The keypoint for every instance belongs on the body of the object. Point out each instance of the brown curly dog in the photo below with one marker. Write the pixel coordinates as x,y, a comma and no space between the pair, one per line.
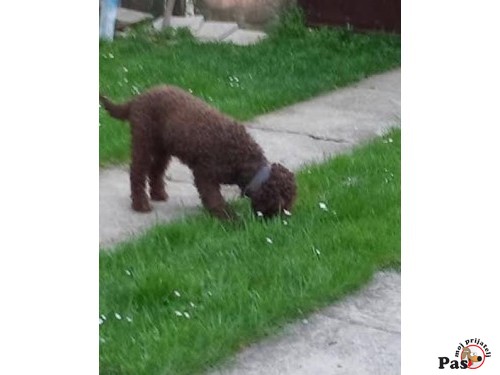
167,121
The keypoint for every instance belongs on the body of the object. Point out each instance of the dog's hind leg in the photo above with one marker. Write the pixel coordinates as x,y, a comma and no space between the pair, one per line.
141,164
157,191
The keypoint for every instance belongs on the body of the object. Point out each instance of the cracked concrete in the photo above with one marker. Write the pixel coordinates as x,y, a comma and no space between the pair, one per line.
316,137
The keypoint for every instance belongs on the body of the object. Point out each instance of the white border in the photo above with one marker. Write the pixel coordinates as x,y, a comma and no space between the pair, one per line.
49,188
450,177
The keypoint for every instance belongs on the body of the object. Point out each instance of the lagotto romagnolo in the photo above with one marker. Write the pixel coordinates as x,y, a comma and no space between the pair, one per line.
167,121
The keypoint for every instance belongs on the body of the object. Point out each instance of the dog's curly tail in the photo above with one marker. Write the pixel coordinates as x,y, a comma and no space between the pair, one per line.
118,111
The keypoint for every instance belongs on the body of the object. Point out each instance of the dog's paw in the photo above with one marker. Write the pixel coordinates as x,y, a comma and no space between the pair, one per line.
141,206
159,195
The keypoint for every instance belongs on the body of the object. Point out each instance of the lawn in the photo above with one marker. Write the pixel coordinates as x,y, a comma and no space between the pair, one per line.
187,295
293,64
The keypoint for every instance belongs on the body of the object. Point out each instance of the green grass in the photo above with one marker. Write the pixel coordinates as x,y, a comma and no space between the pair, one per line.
293,64
243,287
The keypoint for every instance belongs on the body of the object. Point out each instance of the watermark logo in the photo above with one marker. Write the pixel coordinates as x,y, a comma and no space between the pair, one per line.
470,356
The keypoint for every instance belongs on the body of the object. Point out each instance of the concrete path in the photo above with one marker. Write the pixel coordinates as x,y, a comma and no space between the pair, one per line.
358,335
361,335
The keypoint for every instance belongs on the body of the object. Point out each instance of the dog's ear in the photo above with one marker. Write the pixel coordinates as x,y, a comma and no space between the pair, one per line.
465,352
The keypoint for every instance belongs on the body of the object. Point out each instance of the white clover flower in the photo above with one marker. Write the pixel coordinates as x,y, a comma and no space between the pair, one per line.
125,69
388,140
129,319
101,321
323,206
103,317
285,222
350,181
111,56
259,214
269,241
176,293
192,305
287,213
178,313
134,89
186,314
118,316
317,251
128,272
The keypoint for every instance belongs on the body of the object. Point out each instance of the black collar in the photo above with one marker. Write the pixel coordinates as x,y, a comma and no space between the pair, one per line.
258,179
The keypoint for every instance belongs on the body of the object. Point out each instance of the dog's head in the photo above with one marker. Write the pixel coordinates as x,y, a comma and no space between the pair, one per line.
466,353
276,194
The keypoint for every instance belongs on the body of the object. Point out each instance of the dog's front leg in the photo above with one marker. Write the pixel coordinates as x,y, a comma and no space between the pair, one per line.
212,199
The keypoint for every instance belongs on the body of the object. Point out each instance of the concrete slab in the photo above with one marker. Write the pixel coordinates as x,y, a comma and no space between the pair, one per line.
245,37
127,17
334,341
215,31
391,82
192,23
368,310
351,114
296,150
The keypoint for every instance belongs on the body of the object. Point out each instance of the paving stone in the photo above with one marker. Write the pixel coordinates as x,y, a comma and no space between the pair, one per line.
215,31
192,23
127,17
245,37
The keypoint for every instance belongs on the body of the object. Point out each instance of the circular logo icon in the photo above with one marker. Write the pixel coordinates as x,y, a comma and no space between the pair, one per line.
474,355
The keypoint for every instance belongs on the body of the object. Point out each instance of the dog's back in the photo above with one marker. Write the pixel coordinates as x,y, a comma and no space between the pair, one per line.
188,127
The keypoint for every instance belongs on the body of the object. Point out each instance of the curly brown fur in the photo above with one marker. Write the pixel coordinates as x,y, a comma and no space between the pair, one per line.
167,121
